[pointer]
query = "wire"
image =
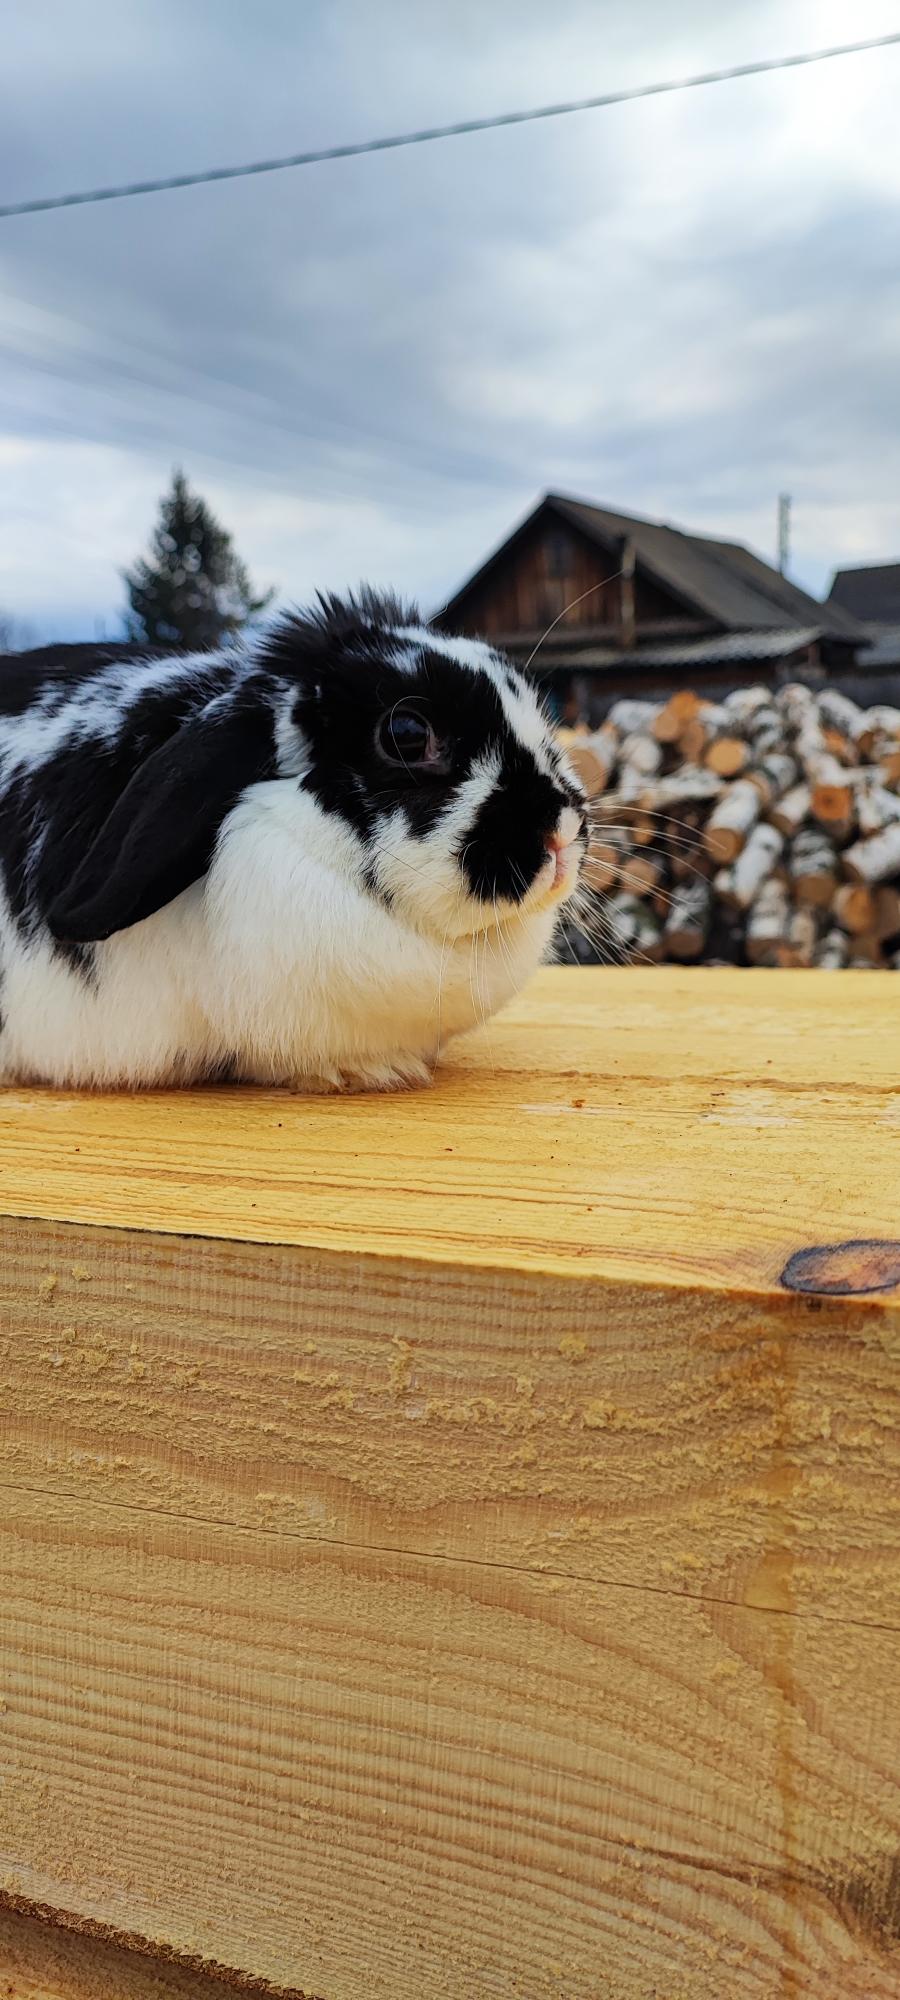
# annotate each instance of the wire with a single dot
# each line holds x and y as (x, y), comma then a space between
(430, 133)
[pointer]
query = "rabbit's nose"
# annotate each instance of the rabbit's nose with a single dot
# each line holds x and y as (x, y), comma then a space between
(567, 829)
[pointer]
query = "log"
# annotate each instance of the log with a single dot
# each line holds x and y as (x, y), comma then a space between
(768, 741)
(813, 869)
(840, 713)
(723, 888)
(644, 828)
(881, 727)
(686, 860)
(689, 920)
(682, 788)
(727, 756)
(641, 873)
(833, 951)
(834, 807)
(634, 928)
(642, 752)
(839, 746)
(593, 760)
(767, 923)
(854, 907)
(628, 716)
(799, 948)
(711, 720)
(745, 702)
(693, 740)
(886, 922)
(796, 703)
(876, 808)
(790, 811)
(605, 858)
(763, 717)
(632, 784)
(822, 768)
(755, 861)
(731, 820)
(669, 721)
(809, 746)
(774, 776)
(866, 950)
(874, 860)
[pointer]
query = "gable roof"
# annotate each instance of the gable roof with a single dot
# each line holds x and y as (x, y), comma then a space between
(723, 580)
(871, 592)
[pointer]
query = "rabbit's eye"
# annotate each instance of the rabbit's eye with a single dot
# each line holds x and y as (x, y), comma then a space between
(405, 737)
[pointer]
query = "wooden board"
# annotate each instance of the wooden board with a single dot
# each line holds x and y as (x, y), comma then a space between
(405, 1598)
(663, 1437)
(651, 1124)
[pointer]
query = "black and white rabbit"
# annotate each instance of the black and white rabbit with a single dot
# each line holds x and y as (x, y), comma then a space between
(307, 859)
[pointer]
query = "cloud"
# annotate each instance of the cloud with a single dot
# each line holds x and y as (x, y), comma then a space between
(682, 306)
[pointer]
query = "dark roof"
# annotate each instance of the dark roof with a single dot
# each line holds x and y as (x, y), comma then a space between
(871, 592)
(725, 649)
(732, 647)
(883, 648)
(728, 583)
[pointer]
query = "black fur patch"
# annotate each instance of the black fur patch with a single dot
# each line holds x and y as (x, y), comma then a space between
(54, 808)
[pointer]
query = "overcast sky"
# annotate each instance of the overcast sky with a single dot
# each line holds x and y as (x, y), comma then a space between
(373, 368)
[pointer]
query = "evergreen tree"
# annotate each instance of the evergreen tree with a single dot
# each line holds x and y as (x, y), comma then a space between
(194, 590)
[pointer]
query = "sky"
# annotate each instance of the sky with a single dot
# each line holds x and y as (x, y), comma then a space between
(373, 368)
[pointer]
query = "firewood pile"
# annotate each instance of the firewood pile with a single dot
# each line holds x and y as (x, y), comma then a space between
(760, 830)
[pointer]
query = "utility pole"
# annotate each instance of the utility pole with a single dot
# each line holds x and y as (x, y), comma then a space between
(784, 531)
(626, 595)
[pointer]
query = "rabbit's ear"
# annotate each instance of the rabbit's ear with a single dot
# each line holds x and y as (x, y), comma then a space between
(159, 833)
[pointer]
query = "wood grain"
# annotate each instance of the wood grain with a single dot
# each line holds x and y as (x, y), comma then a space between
(643, 1125)
(645, 1436)
(364, 1773)
(449, 1545)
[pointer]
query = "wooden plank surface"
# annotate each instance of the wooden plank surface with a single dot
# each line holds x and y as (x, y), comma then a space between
(332, 1625)
(359, 1773)
(673, 1440)
(663, 1126)
(480, 1574)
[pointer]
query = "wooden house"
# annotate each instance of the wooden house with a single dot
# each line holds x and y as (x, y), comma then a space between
(617, 604)
(871, 595)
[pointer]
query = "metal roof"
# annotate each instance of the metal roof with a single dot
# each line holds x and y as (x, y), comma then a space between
(723, 581)
(730, 648)
(883, 649)
(871, 592)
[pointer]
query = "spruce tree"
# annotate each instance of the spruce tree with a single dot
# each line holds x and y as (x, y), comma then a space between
(193, 591)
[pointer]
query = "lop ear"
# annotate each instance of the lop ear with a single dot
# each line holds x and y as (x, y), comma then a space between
(159, 833)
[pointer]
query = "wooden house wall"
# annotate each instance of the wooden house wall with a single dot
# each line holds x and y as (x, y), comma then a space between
(547, 570)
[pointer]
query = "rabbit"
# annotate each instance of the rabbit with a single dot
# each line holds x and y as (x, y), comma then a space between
(308, 859)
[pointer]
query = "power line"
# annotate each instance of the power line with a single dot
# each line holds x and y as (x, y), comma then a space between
(391, 144)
